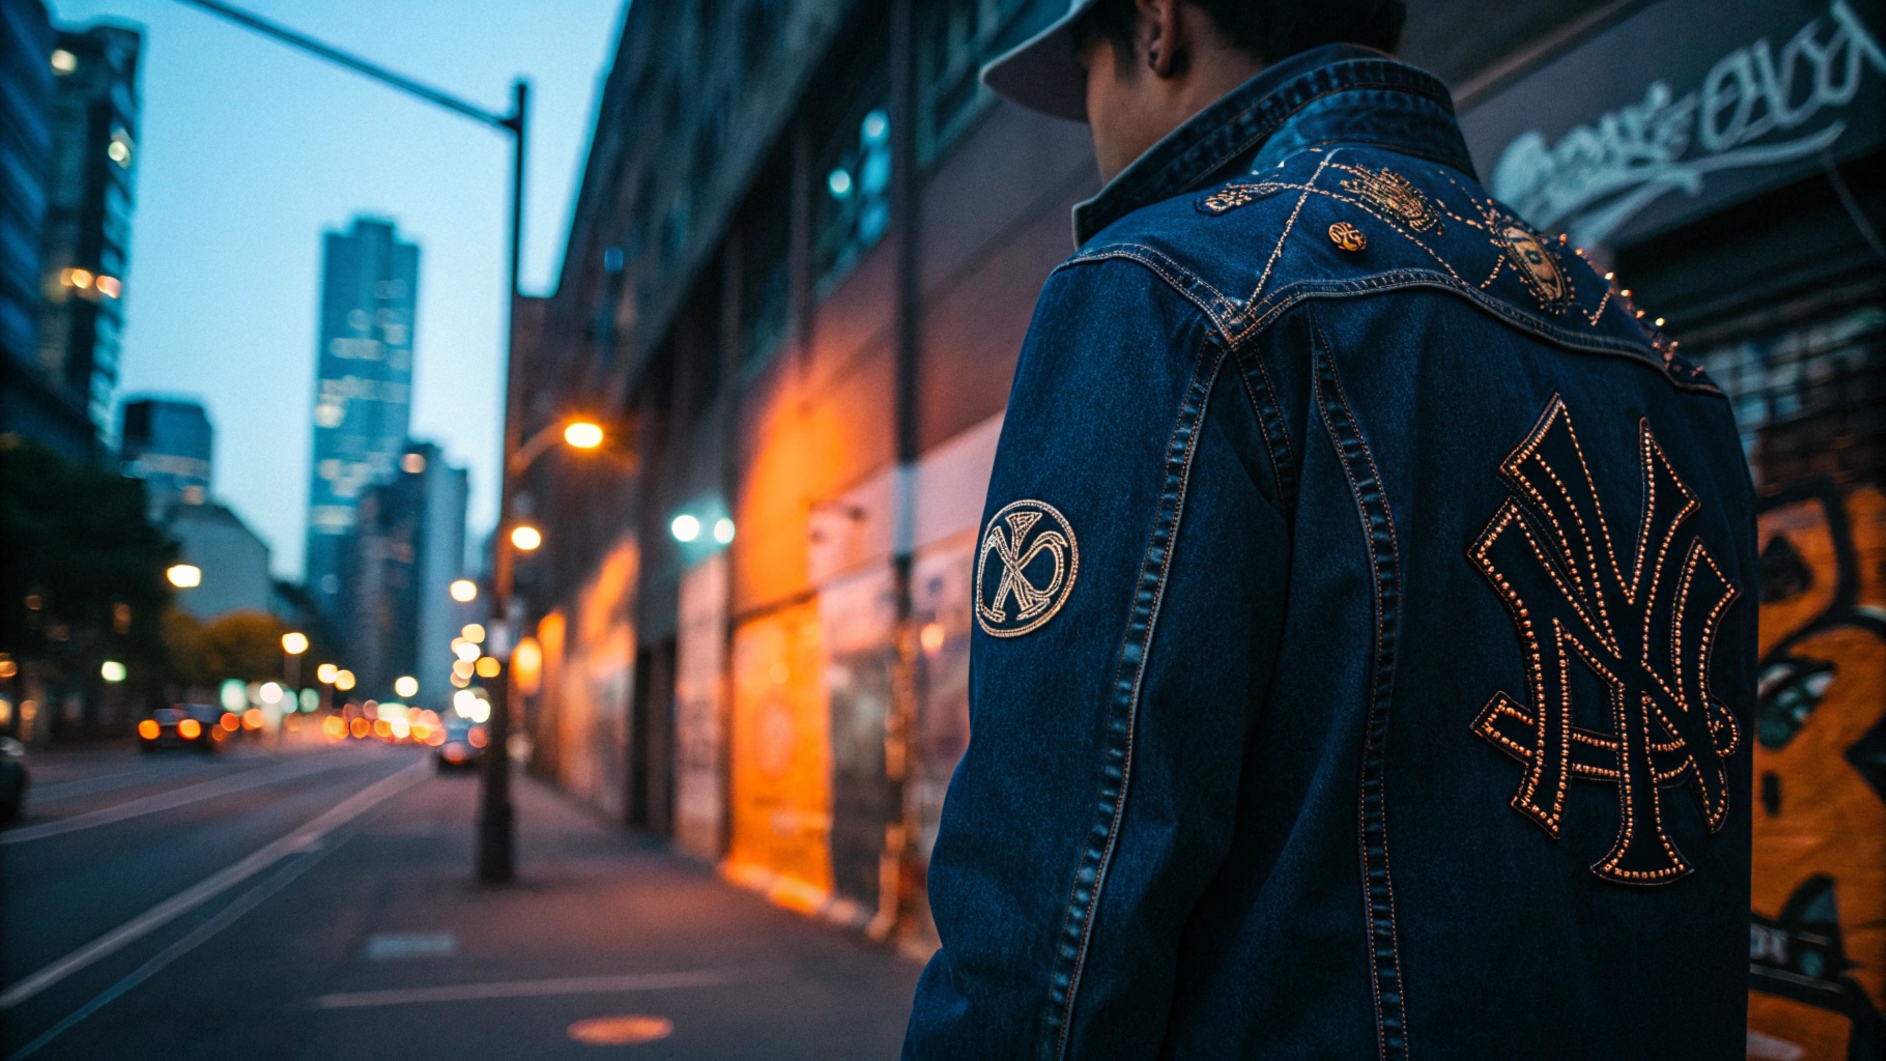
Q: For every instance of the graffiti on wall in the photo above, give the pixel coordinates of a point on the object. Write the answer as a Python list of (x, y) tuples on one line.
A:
[(1817, 948)]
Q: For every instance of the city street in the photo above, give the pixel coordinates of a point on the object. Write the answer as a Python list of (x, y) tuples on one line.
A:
[(317, 902)]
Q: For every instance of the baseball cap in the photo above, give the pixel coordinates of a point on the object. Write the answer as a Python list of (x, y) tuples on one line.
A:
[(1041, 73)]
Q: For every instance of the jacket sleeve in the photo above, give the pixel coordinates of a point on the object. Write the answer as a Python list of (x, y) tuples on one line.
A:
[(1111, 707)]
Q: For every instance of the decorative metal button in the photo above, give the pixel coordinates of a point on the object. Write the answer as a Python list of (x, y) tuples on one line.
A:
[(1347, 236)]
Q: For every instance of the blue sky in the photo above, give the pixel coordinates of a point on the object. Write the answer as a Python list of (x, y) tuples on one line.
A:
[(250, 150)]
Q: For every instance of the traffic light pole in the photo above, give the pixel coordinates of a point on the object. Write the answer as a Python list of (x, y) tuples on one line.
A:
[(495, 824)]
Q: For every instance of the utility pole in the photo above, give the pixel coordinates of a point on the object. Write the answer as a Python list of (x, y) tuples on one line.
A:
[(495, 823)]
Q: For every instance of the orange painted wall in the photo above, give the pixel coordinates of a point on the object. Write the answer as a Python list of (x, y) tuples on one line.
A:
[(780, 748)]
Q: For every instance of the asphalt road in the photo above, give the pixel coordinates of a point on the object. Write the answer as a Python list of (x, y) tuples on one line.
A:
[(316, 903)]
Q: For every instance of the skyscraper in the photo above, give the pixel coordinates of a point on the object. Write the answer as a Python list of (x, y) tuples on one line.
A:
[(363, 390), (407, 546), (167, 443), (28, 404), (87, 240)]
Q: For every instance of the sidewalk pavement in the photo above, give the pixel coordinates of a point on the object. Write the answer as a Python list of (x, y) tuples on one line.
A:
[(608, 945)]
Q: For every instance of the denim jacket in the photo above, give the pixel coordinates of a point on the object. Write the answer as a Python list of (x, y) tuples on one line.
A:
[(1365, 647)]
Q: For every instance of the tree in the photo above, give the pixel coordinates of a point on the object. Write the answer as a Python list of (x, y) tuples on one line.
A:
[(81, 571)]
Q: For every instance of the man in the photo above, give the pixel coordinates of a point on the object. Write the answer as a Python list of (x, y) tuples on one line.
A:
[(1365, 598)]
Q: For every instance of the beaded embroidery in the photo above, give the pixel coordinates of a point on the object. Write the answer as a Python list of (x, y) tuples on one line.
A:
[(1645, 631)]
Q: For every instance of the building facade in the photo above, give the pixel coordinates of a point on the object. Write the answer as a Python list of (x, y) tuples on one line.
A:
[(407, 545), (87, 240), (233, 558), (29, 403), (363, 389), (805, 251), (168, 443)]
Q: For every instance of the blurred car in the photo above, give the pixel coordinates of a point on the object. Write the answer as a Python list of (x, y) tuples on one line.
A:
[(463, 747), (184, 726), (13, 778)]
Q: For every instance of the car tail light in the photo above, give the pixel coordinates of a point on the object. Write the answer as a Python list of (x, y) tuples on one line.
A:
[(149, 729), (189, 729)]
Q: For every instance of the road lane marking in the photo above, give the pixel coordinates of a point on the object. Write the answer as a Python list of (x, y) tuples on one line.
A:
[(176, 797), (387, 946), (302, 839), (571, 985), (223, 918), (60, 791)]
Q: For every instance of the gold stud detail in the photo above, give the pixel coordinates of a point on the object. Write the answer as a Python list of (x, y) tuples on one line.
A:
[(1347, 236)]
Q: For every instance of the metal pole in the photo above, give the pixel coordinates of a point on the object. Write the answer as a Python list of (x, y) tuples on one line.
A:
[(496, 824)]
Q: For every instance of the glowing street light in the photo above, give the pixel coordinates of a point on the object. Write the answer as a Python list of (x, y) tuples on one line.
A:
[(466, 651), (487, 666), (294, 643), (526, 537), (723, 530), (473, 632), (344, 680), (406, 685), (464, 591), (685, 528), (582, 434), (326, 673), (184, 576), (112, 671)]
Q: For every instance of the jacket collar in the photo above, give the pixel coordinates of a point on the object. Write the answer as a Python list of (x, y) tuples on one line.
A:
[(1338, 93)]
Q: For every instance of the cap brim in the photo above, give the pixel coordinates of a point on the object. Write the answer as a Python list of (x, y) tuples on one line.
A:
[(1041, 73)]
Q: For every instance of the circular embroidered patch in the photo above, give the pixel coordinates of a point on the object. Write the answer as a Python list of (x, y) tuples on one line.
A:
[(1035, 561)]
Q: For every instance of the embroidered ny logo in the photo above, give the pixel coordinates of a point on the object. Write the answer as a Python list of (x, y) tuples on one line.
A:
[(1644, 631)]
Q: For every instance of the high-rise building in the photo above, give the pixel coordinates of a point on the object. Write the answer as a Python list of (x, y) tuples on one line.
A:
[(167, 442), (86, 243), (363, 390), (33, 402), (407, 546)]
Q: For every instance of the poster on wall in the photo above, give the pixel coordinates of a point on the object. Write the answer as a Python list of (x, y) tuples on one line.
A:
[(1817, 948), (781, 766), (700, 658)]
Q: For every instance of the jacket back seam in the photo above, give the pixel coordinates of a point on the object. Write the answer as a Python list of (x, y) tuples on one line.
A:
[(1379, 538)]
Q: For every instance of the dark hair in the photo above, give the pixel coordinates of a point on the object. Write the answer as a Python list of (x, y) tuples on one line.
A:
[(1266, 30)]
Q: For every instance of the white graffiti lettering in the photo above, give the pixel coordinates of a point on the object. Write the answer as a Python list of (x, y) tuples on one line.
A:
[(1599, 176)]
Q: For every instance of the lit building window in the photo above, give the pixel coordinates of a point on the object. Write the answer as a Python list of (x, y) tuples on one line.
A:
[(954, 39), (855, 210)]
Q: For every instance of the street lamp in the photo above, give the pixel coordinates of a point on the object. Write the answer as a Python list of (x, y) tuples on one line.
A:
[(344, 681), (526, 538), (294, 643), (406, 685), (582, 434), (464, 591), (494, 827), (184, 576)]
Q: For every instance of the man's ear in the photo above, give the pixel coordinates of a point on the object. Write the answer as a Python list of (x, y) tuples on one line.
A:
[(1163, 30)]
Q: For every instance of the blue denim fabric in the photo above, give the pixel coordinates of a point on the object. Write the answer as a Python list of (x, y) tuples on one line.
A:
[(1366, 628)]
